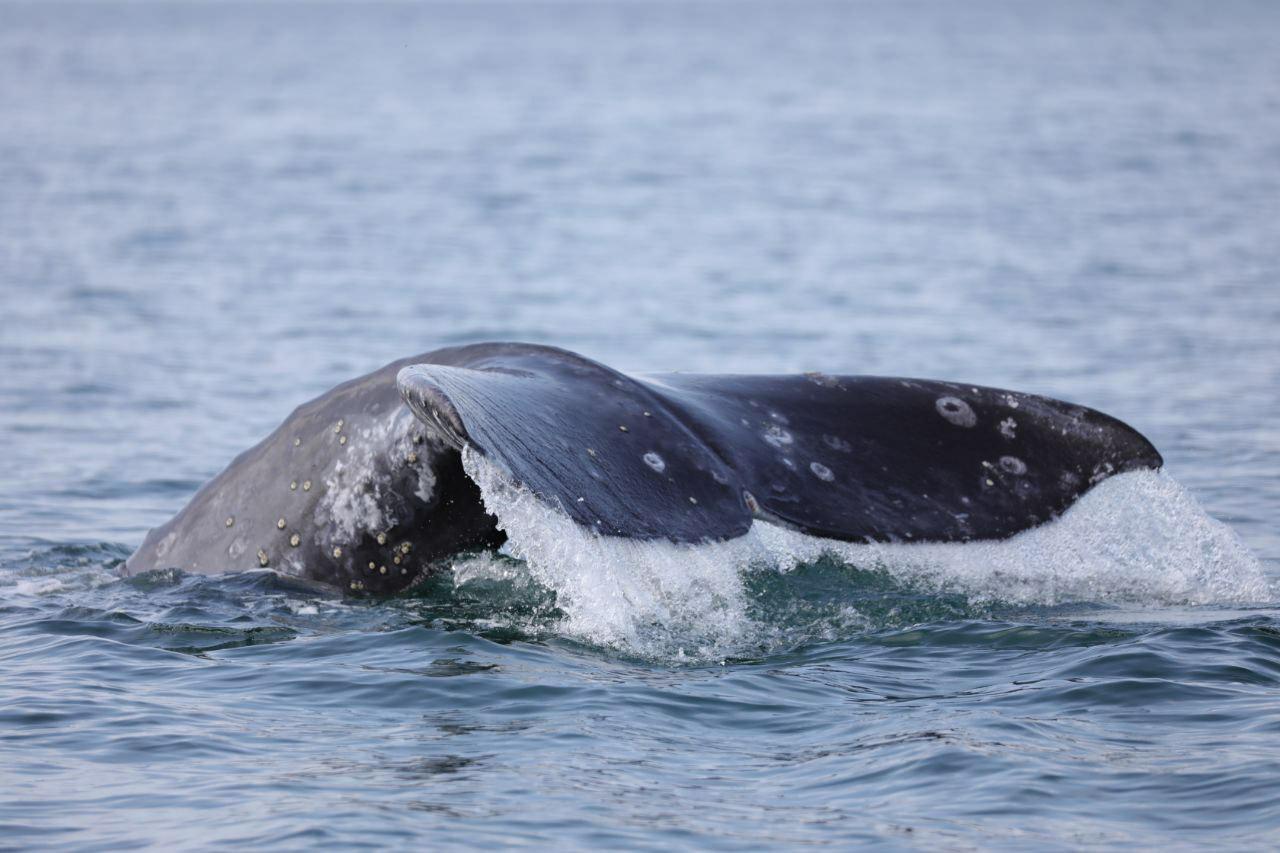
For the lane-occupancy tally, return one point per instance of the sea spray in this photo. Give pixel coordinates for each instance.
(1135, 539)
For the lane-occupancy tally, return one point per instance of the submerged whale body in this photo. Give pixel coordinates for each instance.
(358, 489)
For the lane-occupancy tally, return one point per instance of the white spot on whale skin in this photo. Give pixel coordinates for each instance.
(655, 462)
(835, 442)
(776, 436)
(1013, 465)
(956, 411)
(1101, 471)
(1007, 427)
(822, 472)
(822, 379)
(167, 542)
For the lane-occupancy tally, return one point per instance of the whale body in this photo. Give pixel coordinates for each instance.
(365, 488)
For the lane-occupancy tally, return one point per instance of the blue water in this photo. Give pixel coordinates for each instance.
(210, 213)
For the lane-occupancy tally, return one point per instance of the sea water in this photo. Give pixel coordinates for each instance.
(212, 212)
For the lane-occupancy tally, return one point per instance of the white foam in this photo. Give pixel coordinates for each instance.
(1136, 538)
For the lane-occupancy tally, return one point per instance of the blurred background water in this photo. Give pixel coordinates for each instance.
(211, 212)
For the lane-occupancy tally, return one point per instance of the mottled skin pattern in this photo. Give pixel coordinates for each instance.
(359, 490)
(234, 522)
(689, 457)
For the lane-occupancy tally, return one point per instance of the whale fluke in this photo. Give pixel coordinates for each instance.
(358, 490)
(695, 457)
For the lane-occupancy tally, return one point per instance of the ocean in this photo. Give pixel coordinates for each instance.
(213, 212)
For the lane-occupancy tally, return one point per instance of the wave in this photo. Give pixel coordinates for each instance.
(1136, 539)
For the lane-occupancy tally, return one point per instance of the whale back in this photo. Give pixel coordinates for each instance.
(350, 490)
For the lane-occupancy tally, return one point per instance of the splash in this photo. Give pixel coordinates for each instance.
(1136, 539)
(620, 592)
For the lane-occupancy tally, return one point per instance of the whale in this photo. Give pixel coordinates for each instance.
(365, 488)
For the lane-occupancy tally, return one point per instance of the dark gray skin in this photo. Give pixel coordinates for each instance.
(345, 473)
(356, 489)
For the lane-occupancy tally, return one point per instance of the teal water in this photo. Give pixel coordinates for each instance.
(210, 213)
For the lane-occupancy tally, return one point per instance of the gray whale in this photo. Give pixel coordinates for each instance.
(359, 490)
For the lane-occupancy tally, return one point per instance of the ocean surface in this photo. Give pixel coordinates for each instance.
(212, 212)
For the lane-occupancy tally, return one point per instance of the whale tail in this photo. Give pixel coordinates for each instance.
(696, 457)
